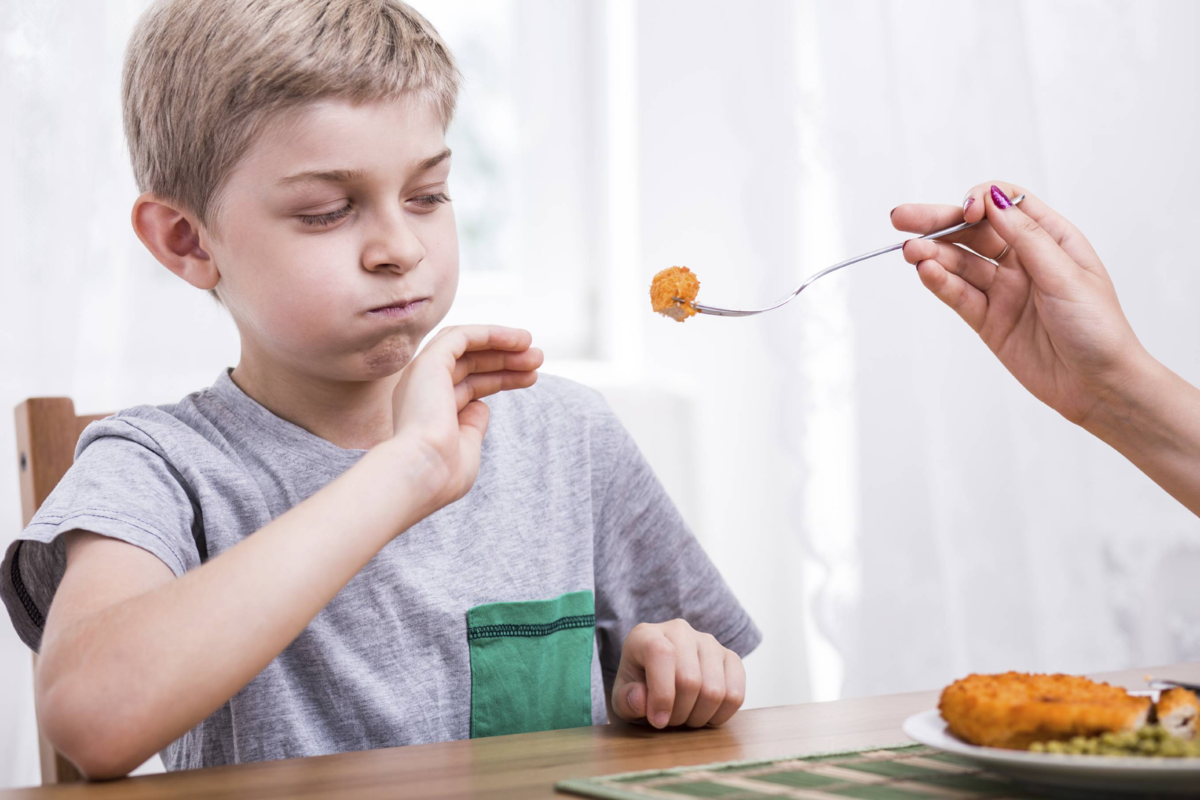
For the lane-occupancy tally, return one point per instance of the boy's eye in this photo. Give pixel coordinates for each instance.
(431, 200)
(324, 219)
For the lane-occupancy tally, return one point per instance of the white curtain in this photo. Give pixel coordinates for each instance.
(897, 510)
(890, 505)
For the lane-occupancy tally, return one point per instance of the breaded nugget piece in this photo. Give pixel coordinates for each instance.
(1179, 713)
(1015, 709)
(674, 282)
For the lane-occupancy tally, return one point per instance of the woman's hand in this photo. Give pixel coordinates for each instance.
(1043, 303)
(436, 405)
(1041, 299)
(671, 674)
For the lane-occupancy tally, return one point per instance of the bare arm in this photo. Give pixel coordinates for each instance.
(1154, 421)
(132, 658)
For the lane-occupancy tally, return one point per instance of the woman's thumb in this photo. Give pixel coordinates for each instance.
(1049, 267)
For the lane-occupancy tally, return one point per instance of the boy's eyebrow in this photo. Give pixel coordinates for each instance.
(433, 161)
(329, 176)
(348, 175)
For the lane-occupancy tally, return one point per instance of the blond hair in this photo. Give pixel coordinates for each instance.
(203, 76)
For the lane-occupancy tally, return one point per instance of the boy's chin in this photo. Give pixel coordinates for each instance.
(386, 358)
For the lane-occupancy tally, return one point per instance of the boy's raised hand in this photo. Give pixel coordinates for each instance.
(671, 674)
(436, 405)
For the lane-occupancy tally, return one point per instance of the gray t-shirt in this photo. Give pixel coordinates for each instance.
(491, 616)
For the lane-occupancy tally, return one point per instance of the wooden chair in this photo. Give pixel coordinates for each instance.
(47, 431)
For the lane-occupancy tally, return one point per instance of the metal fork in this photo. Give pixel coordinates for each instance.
(739, 312)
(1163, 685)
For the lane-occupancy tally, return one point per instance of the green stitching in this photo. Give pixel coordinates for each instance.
(561, 624)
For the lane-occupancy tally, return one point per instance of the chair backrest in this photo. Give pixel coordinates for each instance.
(47, 431)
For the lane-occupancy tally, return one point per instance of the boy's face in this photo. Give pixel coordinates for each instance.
(335, 244)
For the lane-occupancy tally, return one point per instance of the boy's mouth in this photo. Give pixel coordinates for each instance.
(400, 308)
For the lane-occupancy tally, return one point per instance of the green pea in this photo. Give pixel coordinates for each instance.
(1149, 741)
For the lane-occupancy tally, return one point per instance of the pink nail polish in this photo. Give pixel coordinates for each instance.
(1000, 199)
(967, 204)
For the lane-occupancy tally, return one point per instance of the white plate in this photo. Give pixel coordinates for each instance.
(1083, 774)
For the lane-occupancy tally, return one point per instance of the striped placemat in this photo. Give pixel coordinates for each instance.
(905, 772)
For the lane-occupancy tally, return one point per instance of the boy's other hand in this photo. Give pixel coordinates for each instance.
(671, 674)
(436, 405)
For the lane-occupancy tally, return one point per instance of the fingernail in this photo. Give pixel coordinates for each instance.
(634, 700)
(967, 204)
(1000, 199)
(660, 719)
(893, 211)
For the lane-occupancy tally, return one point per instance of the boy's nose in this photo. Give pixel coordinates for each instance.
(393, 246)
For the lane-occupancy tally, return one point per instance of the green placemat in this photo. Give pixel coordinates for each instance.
(906, 772)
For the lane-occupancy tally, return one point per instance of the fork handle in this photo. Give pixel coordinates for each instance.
(1163, 685)
(737, 312)
(962, 226)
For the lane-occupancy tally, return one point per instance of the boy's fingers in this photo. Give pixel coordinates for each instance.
(496, 360)
(629, 699)
(464, 338)
(712, 682)
(655, 654)
(735, 689)
(967, 301)
(979, 272)
(482, 384)
(473, 423)
(688, 679)
(1049, 267)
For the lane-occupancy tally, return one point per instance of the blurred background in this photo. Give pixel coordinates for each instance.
(890, 505)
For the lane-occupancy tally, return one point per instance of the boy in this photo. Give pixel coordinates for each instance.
(322, 552)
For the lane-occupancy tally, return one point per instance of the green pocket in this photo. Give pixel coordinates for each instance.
(531, 665)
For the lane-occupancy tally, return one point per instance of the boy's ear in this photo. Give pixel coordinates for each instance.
(173, 236)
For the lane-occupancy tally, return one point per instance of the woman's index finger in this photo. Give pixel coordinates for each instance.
(925, 218)
(929, 218)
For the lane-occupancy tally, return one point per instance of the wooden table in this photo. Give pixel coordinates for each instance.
(527, 765)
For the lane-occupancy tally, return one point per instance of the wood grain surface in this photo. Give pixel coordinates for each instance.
(527, 765)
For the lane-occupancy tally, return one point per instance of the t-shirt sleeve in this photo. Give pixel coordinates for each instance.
(120, 486)
(648, 565)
